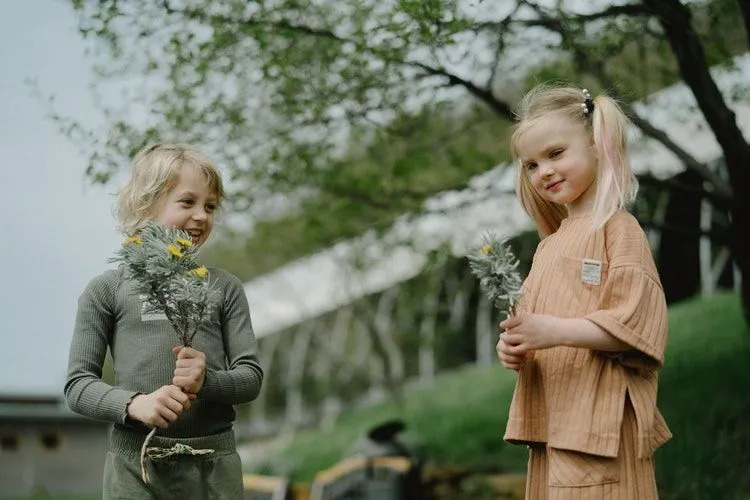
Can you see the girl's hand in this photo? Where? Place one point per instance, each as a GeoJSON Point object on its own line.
{"type": "Point", "coordinates": [529, 332]}
{"type": "Point", "coordinates": [160, 408]}
{"type": "Point", "coordinates": [504, 354]}
{"type": "Point", "coordinates": [190, 369]}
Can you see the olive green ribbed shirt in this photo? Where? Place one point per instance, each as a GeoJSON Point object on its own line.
{"type": "Point", "coordinates": [110, 314]}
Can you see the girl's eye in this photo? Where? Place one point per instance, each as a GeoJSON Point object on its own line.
{"type": "Point", "coordinates": [186, 202]}
{"type": "Point", "coordinates": [530, 165]}
{"type": "Point", "coordinates": [210, 207]}
{"type": "Point", "coordinates": [555, 153]}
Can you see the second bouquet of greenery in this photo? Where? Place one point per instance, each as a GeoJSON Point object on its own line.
{"type": "Point", "coordinates": [162, 263]}
{"type": "Point", "coordinates": [497, 269]}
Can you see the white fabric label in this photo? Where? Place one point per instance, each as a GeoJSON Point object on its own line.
{"type": "Point", "coordinates": [591, 272]}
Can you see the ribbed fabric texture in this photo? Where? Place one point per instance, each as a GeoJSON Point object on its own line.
{"type": "Point", "coordinates": [110, 314]}
{"type": "Point", "coordinates": [567, 475]}
{"type": "Point", "coordinates": [573, 398]}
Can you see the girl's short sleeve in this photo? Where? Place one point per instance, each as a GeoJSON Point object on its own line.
{"type": "Point", "coordinates": [632, 306]}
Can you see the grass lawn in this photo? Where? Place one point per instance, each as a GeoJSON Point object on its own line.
{"type": "Point", "coordinates": [704, 396]}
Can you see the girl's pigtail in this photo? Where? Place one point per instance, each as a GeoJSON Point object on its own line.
{"type": "Point", "coordinates": [616, 184]}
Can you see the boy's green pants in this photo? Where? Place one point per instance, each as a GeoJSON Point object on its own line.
{"type": "Point", "coordinates": [217, 475]}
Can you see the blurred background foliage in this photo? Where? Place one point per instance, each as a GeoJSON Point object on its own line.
{"type": "Point", "coordinates": [334, 118]}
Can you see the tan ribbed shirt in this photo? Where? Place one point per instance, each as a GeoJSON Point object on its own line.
{"type": "Point", "coordinates": [574, 398]}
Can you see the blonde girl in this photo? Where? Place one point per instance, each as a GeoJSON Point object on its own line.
{"type": "Point", "coordinates": [187, 392]}
{"type": "Point", "coordinates": [589, 336]}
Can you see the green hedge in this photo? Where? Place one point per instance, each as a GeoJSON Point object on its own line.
{"type": "Point", "coordinates": [704, 395]}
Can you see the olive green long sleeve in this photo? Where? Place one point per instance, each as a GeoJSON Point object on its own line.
{"type": "Point", "coordinates": [111, 315]}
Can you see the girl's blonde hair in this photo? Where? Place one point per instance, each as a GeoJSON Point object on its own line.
{"type": "Point", "coordinates": [154, 173]}
{"type": "Point", "coordinates": [606, 124]}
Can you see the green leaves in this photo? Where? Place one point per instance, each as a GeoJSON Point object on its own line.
{"type": "Point", "coordinates": [162, 263]}
{"type": "Point", "coordinates": [497, 269]}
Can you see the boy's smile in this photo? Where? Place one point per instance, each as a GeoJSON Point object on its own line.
{"type": "Point", "coordinates": [190, 205]}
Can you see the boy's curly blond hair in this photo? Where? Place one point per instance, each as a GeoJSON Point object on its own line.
{"type": "Point", "coordinates": [154, 173]}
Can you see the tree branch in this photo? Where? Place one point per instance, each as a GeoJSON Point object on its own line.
{"type": "Point", "coordinates": [596, 68]}
{"type": "Point", "coordinates": [688, 49]}
{"type": "Point", "coordinates": [482, 94]}
{"type": "Point", "coordinates": [548, 21]}
{"type": "Point", "coordinates": [720, 202]}
{"type": "Point", "coordinates": [691, 59]}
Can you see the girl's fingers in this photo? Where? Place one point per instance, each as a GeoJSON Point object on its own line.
{"type": "Point", "coordinates": [513, 338]}
{"type": "Point", "coordinates": [513, 366]}
{"type": "Point", "coordinates": [511, 350]}
{"type": "Point", "coordinates": [517, 350]}
{"type": "Point", "coordinates": [510, 322]}
{"type": "Point", "coordinates": [505, 358]}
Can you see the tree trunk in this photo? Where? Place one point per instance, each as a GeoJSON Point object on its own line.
{"type": "Point", "coordinates": [745, 10]}
{"type": "Point", "coordinates": [686, 45]}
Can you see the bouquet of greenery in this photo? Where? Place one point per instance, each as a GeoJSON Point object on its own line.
{"type": "Point", "coordinates": [162, 263]}
{"type": "Point", "coordinates": [497, 269]}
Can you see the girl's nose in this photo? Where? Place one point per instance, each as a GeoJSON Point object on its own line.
{"type": "Point", "coordinates": [546, 170]}
{"type": "Point", "coordinates": [199, 214]}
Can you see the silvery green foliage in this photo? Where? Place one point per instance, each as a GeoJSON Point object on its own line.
{"type": "Point", "coordinates": [162, 263]}
{"type": "Point", "coordinates": [497, 269]}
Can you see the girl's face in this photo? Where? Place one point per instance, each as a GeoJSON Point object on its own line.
{"type": "Point", "coordinates": [189, 205]}
{"type": "Point", "coordinates": [559, 159]}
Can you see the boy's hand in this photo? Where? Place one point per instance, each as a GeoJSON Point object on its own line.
{"type": "Point", "coordinates": [160, 408]}
{"type": "Point", "coordinates": [190, 369]}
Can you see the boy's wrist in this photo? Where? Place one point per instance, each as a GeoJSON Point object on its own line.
{"type": "Point", "coordinates": [131, 416]}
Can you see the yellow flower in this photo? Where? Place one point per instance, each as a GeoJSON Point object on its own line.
{"type": "Point", "coordinates": [174, 250]}
{"type": "Point", "coordinates": [486, 249]}
{"type": "Point", "coordinates": [184, 242]}
{"type": "Point", "coordinates": [200, 272]}
{"type": "Point", "coordinates": [136, 240]}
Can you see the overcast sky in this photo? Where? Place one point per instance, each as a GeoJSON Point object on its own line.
{"type": "Point", "coordinates": [57, 232]}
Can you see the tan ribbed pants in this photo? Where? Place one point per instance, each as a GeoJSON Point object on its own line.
{"type": "Point", "coordinates": [555, 474]}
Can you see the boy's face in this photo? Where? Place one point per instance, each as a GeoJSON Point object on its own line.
{"type": "Point", "coordinates": [189, 205]}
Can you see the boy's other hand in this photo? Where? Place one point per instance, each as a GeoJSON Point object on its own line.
{"type": "Point", "coordinates": [160, 408]}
